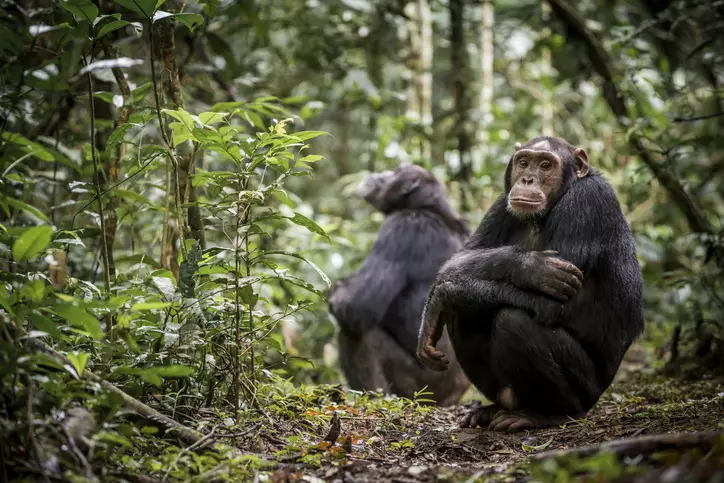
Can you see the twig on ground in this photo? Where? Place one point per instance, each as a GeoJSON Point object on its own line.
{"type": "Point", "coordinates": [641, 445]}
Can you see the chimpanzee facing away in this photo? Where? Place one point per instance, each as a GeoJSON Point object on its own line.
{"type": "Point", "coordinates": [546, 296]}
{"type": "Point", "coordinates": [379, 307]}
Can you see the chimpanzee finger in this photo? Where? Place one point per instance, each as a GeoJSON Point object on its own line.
{"type": "Point", "coordinates": [433, 359]}
{"type": "Point", "coordinates": [568, 267]}
{"type": "Point", "coordinates": [548, 288]}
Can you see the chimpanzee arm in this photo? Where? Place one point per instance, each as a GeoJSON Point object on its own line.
{"type": "Point", "coordinates": [463, 291]}
{"type": "Point", "coordinates": [527, 270]}
{"type": "Point", "coordinates": [405, 242]}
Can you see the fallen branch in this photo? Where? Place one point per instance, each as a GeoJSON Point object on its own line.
{"type": "Point", "coordinates": [641, 445]}
{"type": "Point", "coordinates": [186, 434]}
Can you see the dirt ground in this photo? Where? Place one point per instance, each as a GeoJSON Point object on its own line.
{"type": "Point", "coordinates": [431, 448]}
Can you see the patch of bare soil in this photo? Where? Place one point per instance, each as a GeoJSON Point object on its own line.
{"type": "Point", "coordinates": [431, 447]}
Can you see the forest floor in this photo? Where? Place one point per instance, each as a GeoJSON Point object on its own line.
{"type": "Point", "coordinates": [426, 445]}
{"type": "Point", "coordinates": [313, 434]}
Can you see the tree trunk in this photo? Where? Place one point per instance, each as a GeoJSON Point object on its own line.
{"type": "Point", "coordinates": [459, 74]}
{"type": "Point", "coordinates": [547, 107]}
{"type": "Point", "coordinates": [425, 78]}
{"type": "Point", "coordinates": [486, 79]}
{"type": "Point", "coordinates": [186, 153]}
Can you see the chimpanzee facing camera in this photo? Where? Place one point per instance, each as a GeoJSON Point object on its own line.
{"type": "Point", "coordinates": [545, 298]}
{"type": "Point", "coordinates": [379, 307]}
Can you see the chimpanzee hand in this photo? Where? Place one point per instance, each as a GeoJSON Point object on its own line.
{"type": "Point", "coordinates": [552, 275]}
{"type": "Point", "coordinates": [434, 320]}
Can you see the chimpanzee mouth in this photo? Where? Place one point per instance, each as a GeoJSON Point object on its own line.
{"type": "Point", "coordinates": [527, 202]}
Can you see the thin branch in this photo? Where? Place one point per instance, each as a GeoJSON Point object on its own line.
{"type": "Point", "coordinates": [97, 183]}
{"type": "Point", "coordinates": [697, 118]}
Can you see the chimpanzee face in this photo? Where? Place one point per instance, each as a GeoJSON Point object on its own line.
{"type": "Point", "coordinates": [539, 171]}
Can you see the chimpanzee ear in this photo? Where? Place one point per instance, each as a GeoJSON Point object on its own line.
{"type": "Point", "coordinates": [580, 161]}
{"type": "Point", "coordinates": [517, 146]}
{"type": "Point", "coordinates": [410, 186]}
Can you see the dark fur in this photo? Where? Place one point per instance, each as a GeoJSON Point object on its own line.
{"type": "Point", "coordinates": [557, 358]}
{"type": "Point", "coordinates": [379, 307]}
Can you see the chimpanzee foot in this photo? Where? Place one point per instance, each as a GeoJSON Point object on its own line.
{"type": "Point", "coordinates": [512, 421]}
{"type": "Point", "coordinates": [479, 415]}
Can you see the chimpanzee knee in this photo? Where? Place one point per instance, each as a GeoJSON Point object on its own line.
{"type": "Point", "coordinates": [540, 368]}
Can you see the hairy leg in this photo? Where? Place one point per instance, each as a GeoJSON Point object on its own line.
{"type": "Point", "coordinates": [361, 360]}
{"type": "Point", "coordinates": [545, 376]}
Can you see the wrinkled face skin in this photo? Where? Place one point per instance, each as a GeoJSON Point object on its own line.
{"type": "Point", "coordinates": [537, 175]}
{"type": "Point", "coordinates": [407, 187]}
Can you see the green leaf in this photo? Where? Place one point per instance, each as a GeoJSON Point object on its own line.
{"type": "Point", "coordinates": [79, 361]}
{"type": "Point", "coordinates": [111, 26]}
{"type": "Point", "coordinates": [118, 134]}
{"type": "Point", "coordinates": [180, 133]}
{"type": "Point", "coordinates": [254, 119]}
{"type": "Point", "coordinates": [101, 18]}
{"type": "Point", "coordinates": [79, 317]}
{"type": "Point", "coordinates": [311, 158]}
{"type": "Point", "coordinates": [144, 7]}
{"type": "Point", "coordinates": [311, 264]}
{"type": "Point", "coordinates": [104, 96]}
{"type": "Point", "coordinates": [140, 92]}
{"type": "Point", "coordinates": [28, 146]}
{"type": "Point", "coordinates": [149, 306]}
{"type": "Point", "coordinates": [305, 135]}
{"type": "Point", "coordinates": [81, 9]}
{"type": "Point", "coordinates": [22, 206]}
{"type": "Point", "coordinates": [46, 325]}
{"type": "Point", "coordinates": [302, 220]}
{"type": "Point", "coordinates": [139, 258]}
{"type": "Point", "coordinates": [32, 242]}
{"type": "Point", "coordinates": [183, 116]}
{"type": "Point", "coordinates": [212, 117]}
{"type": "Point", "coordinates": [174, 370]}
{"type": "Point", "coordinates": [190, 20]}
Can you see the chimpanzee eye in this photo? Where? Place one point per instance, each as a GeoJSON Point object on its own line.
{"type": "Point", "coordinates": [545, 165]}
{"type": "Point", "coordinates": [523, 163]}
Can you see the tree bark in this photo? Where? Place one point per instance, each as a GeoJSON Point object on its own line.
{"type": "Point", "coordinates": [425, 77]}
{"type": "Point", "coordinates": [486, 78]}
{"type": "Point", "coordinates": [186, 153]}
{"type": "Point", "coordinates": [459, 68]}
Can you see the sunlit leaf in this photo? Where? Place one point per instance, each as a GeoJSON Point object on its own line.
{"type": "Point", "coordinates": [119, 63]}
{"type": "Point", "coordinates": [140, 92]}
{"type": "Point", "coordinates": [32, 242]}
{"type": "Point", "coordinates": [306, 135]}
{"type": "Point", "coordinates": [43, 323]}
{"type": "Point", "coordinates": [190, 20]}
{"type": "Point", "coordinates": [22, 206]}
{"type": "Point", "coordinates": [28, 146]}
{"type": "Point", "coordinates": [79, 361]}
{"type": "Point", "coordinates": [150, 306]}
{"type": "Point", "coordinates": [302, 220]}
{"type": "Point", "coordinates": [78, 317]}
{"type": "Point", "coordinates": [118, 134]}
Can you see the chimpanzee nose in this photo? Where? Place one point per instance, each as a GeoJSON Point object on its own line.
{"type": "Point", "coordinates": [527, 179]}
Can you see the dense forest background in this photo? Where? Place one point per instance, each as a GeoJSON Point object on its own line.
{"type": "Point", "coordinates": [177, 193]}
